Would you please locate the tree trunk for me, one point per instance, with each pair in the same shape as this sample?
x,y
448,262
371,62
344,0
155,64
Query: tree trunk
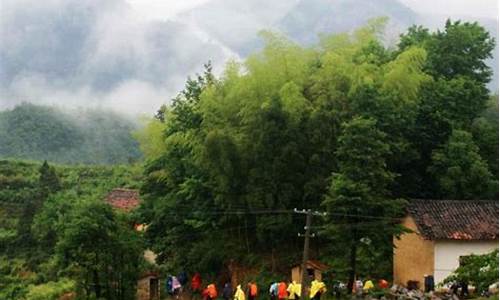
x,y
273,261
97,286
352,265
246,237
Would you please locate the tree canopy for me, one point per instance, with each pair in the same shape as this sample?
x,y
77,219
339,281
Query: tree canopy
x,y
349,123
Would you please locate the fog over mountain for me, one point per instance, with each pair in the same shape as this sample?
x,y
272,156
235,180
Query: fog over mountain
x,y
94,53
125,55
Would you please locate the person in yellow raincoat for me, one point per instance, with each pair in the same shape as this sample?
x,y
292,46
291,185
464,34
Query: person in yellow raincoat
x,y
368,285
294,290
239,295
317,289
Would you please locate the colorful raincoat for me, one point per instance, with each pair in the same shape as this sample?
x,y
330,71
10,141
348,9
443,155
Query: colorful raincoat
x,y
282,292
253,289
196,282
212,291
317,286
294,290
273,289
239,295
368,285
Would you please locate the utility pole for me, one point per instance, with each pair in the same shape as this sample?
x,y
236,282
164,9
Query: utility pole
x,y
305,256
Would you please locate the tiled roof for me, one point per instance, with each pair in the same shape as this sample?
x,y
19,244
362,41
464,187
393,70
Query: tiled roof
x,y
123,199
315,264
149,274
455,219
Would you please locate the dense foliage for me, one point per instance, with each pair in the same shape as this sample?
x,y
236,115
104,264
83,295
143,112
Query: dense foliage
x,y
56,232
349,125
46,133
479,270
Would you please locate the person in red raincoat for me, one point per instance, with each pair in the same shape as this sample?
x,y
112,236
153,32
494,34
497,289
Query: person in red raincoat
x,y
282,290
383,284
196,282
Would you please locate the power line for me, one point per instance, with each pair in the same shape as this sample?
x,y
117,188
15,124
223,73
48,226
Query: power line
x,y
363,216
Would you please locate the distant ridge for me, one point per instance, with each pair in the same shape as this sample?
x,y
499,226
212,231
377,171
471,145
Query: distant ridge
x,y
45,133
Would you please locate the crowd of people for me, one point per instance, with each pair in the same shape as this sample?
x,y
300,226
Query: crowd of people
x,y
276,291
283,290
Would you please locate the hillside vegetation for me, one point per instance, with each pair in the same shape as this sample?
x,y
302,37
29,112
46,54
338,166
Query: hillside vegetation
x,y
45,133
39,204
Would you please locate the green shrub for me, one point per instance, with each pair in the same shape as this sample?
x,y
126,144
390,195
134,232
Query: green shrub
x,y
478,270
50,290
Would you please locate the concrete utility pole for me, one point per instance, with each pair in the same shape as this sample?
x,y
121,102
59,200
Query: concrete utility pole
x,y
305,256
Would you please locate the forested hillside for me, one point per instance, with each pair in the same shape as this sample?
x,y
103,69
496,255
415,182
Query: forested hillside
x,y
52,218
347,126
46,133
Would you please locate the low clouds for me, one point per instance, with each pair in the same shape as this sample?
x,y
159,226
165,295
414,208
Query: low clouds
x,y
133,56
97,53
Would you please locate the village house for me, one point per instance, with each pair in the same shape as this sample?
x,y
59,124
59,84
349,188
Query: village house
x,y
148,286
314,269
443,232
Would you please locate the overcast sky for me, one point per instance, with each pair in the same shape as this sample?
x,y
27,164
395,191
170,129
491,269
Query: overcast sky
x,y
134,55
479,8
160,9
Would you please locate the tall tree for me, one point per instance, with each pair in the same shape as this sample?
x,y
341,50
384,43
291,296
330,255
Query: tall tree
x,y
360,205
459,50
453,100
460,171
48,181
99,251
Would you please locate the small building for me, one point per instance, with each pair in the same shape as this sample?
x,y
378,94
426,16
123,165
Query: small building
x,y
148,286
443,232
314,268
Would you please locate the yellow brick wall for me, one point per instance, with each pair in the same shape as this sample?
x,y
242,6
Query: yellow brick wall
x,y
413,256
296,274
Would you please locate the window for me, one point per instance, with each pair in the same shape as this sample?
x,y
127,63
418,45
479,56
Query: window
x,y
310,272
463,260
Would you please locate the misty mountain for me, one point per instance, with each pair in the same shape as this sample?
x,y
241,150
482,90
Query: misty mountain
x,y
308,18
89,53
46,133
82,43
101,54
236,24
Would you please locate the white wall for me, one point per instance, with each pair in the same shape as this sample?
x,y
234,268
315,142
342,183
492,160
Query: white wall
x,y
447,253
